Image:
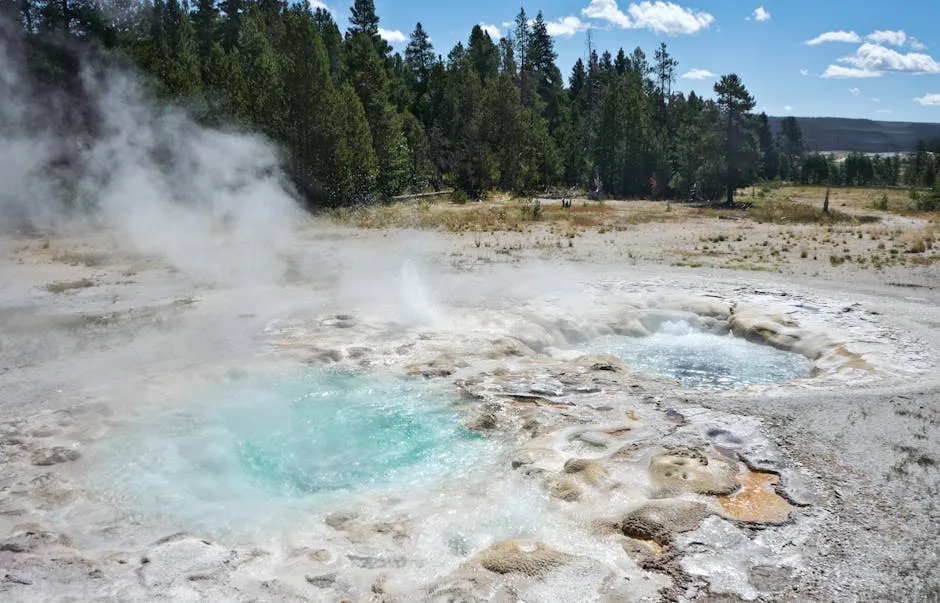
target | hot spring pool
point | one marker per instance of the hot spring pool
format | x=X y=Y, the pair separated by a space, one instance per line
x=248 y=453
x=698 y=359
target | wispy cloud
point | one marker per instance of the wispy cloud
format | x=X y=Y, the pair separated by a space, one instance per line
x=566 y=26
x=917 y=44
x=929 y=100
x=840 y=72
x=392 y=36
x=698 y=74
x=493 y=30
x=660 y=17
x=760 y=14
x=895 y=38
x=787 y=109
x=835 y=36
x=884 y=111
x=854 y=91
x=804 y=71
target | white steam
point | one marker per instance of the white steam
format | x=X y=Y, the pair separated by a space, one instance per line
x=213 y=204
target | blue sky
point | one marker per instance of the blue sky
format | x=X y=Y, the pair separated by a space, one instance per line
x=861 y=58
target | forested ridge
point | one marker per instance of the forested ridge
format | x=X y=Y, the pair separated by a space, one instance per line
x=359 y=122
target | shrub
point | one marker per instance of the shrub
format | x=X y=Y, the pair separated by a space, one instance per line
x=929 y=201
x=459 y=196
x=532 y=210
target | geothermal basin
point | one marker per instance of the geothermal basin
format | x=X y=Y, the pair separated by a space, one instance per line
x=501 y=433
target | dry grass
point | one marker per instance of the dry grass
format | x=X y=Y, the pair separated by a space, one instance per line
x=777 y=210
x=920 y=240
x=77 y=258
x=858 y=198
x=512 y=215
x=63 y=286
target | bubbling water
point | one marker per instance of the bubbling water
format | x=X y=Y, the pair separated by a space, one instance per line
x=294 y=443
x=704 y=360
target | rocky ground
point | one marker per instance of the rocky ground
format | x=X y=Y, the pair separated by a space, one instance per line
x=607 y=484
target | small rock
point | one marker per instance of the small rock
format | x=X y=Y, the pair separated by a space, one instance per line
x=547 y=389
x=338 y=520
x=16 y=580
x=56 y=455
x=566 y=490
x=376 y=561
x=675 y=416
x=322 y=581
x=528 y=558
x=484 y=422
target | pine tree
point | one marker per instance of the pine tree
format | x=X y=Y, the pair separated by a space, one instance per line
x=620 y=145
x=739 y=149
x=231 y=25
x=355 y=179
x=483 y=55
x=665 y=71
x=791 y=146
x=768 y=148
x=310 y=104
x=419 y=57
x=261 y=70
x=205 y=21
x=366 y=72
x=182 y=75
x=363 y=18
x=332 y=40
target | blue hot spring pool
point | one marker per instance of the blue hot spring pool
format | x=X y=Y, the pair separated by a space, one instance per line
x=704 y=360
x=242 y=453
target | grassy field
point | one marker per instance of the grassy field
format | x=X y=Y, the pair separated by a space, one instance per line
x=506 y=214
x=784 y=228
x=502 y=213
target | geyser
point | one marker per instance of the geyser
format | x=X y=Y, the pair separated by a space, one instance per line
x=298 y=443
x=699 y=359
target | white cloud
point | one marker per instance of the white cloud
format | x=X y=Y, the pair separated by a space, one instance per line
x=493 y=30
x=876 y=58
x=835 y=36
x=760 y=14
x=854 y=91
x=668 y=18
x=788 y=109
x=804 y=71
x=929 y=100
x=698 y=74
x=917 y=44
x=392 y=36
x=659 y=16
x=607 y=10
x=895 y=38
x=875 y=99
x=566 y=26
x=315 y=4
x=840 y=72
x=885 y=111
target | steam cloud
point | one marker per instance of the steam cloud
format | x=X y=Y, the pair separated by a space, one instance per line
x=105 y=155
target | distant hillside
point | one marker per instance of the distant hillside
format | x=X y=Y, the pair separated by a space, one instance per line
x=862 y=135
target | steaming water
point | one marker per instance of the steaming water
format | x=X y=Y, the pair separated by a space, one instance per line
x=699 y=359
x=418 y=305
x=297 y=443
